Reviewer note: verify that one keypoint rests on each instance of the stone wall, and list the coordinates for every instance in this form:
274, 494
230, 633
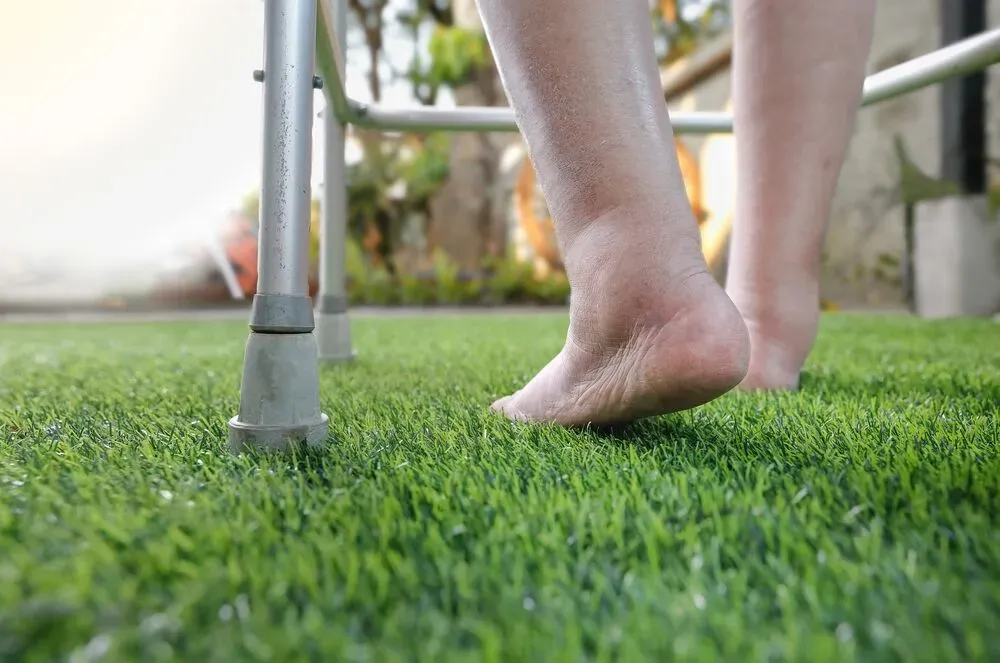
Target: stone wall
464, 221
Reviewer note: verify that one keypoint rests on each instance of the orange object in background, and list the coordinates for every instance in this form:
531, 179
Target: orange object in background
240, 244
539, 229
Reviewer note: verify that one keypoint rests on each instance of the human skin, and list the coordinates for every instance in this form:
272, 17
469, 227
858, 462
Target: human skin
650, 330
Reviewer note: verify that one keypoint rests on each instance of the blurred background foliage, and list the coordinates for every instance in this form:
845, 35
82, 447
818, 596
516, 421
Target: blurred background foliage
392, 184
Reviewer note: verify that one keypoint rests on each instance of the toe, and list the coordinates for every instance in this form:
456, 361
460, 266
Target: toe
507, 406
501, 404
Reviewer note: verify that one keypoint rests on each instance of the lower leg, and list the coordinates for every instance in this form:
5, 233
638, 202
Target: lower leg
798, 71
650, 331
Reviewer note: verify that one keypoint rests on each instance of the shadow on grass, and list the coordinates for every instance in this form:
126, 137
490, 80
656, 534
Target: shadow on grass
734, 436
680, 443
668, 432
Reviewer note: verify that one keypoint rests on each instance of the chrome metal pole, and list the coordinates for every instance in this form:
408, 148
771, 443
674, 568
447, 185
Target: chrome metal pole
288, 115
331, 37
333, 328
957, 59
484, 118
279, 393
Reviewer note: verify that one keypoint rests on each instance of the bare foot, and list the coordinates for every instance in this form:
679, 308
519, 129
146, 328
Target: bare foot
644, 340
782, 323
774, 366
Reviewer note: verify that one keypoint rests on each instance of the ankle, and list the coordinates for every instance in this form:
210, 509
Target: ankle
782, 322
622, 246
775, 303
621, 281
656, 228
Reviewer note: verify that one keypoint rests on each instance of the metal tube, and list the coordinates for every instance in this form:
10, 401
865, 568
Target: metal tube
331, 35
479, 118
962, 57
333, 231
333, 328
218, 252
289, 45
279, 392
957, 59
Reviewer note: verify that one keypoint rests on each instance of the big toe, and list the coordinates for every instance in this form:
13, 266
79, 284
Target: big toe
505, 406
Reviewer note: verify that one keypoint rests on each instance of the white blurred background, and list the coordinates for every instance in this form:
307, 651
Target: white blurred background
129, 130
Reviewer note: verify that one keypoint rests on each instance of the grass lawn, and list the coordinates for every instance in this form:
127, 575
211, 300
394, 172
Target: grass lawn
856, 520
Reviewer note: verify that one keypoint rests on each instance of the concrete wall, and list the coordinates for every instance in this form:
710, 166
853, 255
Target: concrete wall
865, 239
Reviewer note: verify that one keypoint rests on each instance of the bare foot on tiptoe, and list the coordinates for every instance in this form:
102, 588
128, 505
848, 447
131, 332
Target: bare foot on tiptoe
651, 332
774, 365
782, 324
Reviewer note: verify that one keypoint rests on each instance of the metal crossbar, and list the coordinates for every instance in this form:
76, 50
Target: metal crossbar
954, 60
279, 397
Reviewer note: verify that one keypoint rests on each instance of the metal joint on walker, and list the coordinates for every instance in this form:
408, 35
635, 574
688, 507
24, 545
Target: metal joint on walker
258, 75
282, 314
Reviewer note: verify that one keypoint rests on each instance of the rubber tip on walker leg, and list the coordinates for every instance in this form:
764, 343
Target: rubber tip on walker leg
244, 436
333, 336
279, 395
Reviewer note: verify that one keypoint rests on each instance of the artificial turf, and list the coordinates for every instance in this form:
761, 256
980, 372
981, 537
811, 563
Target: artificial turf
855, 520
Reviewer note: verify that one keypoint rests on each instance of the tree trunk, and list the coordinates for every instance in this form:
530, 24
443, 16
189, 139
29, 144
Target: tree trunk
464, 220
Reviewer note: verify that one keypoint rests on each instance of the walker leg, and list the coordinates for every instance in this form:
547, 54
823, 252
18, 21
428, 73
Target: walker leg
333, 329
279, 394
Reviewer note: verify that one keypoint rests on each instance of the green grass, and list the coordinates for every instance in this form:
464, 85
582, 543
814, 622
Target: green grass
856, 520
